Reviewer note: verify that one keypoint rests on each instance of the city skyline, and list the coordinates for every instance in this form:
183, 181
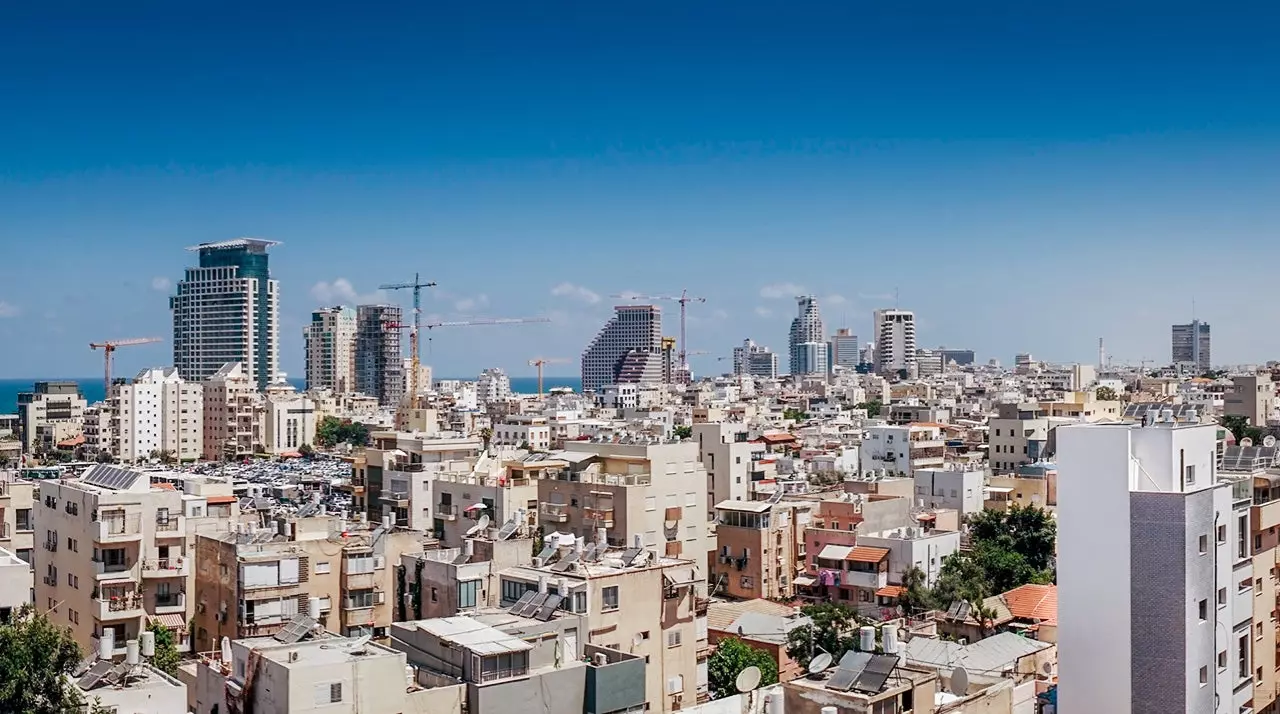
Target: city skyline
452, 142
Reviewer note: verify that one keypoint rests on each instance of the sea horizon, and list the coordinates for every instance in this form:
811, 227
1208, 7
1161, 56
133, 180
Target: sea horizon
92, 389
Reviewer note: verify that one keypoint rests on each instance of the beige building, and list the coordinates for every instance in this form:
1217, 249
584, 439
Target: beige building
499, 491
112, 554
289, 420
52, 412
233, 414
523, 430
156, 412
1264, 521
651, 492
756, 549
330, 342
142, 690
731, 459
17, 519
1252, 397
396, 476
251, 582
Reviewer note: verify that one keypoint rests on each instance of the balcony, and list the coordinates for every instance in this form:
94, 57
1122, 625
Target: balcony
360, 581
553, 513
119, 530
118, 607
860, 579
171, 527
119, 649
166, 568
407, 467
400, 499
600, 517
114, 571
6, 533
364, 603
447, 511
171, 604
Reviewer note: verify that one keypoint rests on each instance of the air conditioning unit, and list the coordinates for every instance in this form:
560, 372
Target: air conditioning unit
379, 562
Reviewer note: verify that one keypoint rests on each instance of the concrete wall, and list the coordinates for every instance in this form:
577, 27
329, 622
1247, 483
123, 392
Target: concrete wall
617, 685
551, 692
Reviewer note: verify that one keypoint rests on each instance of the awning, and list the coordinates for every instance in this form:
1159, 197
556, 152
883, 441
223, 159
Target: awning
680, 576
475, 506
835, 552
890, 591
804, 580
173, 622
398, 453
999, 489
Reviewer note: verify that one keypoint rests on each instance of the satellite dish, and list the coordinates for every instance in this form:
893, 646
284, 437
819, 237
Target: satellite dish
959, 681
820, 663
359, 643
748, 679
483, 523
1047, 667
1268, 441
637, 640
1246, 441
473, 530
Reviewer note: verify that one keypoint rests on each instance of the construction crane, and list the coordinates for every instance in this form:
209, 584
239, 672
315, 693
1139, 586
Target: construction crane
109, 347
415, 358
684, 299
541, 361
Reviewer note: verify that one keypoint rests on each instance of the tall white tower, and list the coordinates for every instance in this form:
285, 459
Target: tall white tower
895, 333
806, 336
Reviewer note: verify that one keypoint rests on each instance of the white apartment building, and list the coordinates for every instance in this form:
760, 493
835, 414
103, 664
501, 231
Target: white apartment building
844, 349
914, 547
233, 414
902, 449
895, 332
752, 360
51, 412
227, 310
953, 486
289, 421
731, 460
398, 472
158, 411
112, 554
15, 583
17, 520
330, 349
519, 429
1155, 586
806, 334
632, 328
493, 386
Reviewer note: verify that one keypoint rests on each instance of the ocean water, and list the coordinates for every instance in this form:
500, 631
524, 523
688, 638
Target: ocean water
92, 390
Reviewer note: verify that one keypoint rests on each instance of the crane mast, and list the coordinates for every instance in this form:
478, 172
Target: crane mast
415, 356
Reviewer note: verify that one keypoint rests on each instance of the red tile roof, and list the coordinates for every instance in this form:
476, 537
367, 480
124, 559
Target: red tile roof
221, 499
891, 591
777, 438
867, 554
1033, 602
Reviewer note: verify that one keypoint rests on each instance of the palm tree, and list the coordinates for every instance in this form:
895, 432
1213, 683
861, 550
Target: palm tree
985, 617
486, 434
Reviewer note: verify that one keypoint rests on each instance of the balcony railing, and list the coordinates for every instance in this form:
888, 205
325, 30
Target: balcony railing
173, 602
119, 528
113, 571
119, 607
165, 567
600, 516
168, 525
554, 513
400, 497
447, 511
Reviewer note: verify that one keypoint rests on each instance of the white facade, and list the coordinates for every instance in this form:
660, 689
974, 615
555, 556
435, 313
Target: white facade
290, 422
157, 412
913, 547
807, 331
493, 386
15, 583
844, 349
755, 360
227, 310
520, 429
633, 327
954, 488
330, 347
895, 332
233, 414
729, 457
1151, 611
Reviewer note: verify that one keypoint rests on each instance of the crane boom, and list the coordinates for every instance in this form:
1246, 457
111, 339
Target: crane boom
415, 359
109, 347
684, 299
487, 321
539, 362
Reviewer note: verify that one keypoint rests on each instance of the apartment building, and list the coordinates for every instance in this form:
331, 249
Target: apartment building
633, 328
157, 412
17, 517
227, 309
309, 670
499, 491
752, 360
379, 363
895, 333
844, 349
398, 470
1145, 517
902, 449
233, 414
808, 349
51, 412
494, 386
1252, 396
528, 431
731, 459
464, 580
252, 582
759, 546
140, 689
632, 601
649, 489
956, 486
289, 420
1191, 344
913, 547
15, 583
330, 342
1264, 528
112, 554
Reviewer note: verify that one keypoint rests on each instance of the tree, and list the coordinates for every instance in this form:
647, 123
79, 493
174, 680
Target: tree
983, 615
795, 415
682, 432
332, 431
167, 657
873, 407
1029, 531
306, 451
831, 632
1105, 394
486, 435
732, 655
915, 595
1234, 424
35, 658
104, 457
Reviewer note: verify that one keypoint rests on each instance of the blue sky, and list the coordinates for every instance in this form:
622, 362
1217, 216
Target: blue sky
1029, 177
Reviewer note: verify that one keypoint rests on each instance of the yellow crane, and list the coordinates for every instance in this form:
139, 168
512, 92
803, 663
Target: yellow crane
539, 362
415, 358
109, 347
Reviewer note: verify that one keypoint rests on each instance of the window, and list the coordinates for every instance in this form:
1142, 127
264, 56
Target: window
467, 591
1190, 474
1204, 676
1222, 534
1242, 655
580, 602
434, 595
1257, 542
322, 567
22, 516
1242, 539
1203, 608
609, 598
1204, 544
674, 638
1222, 600
328, 693
513, 590
1222, 660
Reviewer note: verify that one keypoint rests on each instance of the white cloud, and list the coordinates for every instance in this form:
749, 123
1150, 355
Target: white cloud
342, 292
763, 311
775, 291
467, 304
835, 300
577, 292
160, 284
8, 309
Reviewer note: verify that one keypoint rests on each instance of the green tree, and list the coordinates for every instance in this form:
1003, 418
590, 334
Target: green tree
35, 658
682, 431
916, 595
795, 415
1105, 394
104, 457
732, 655
486, 435
167, 658
306, 451
873, 407
332, 431
831, 631
1234, 424
959, 578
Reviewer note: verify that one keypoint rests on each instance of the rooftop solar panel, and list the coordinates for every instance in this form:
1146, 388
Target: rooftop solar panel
531, 608
630, 555
508, 529
95, 674
842, 679
876, 673
297, 628
528, 596
548, 609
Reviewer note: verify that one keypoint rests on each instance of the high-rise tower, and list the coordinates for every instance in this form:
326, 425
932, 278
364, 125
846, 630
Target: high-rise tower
227, 310
895, 332
1190, 345
808, 347
378, 362
632, 336
330, 344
